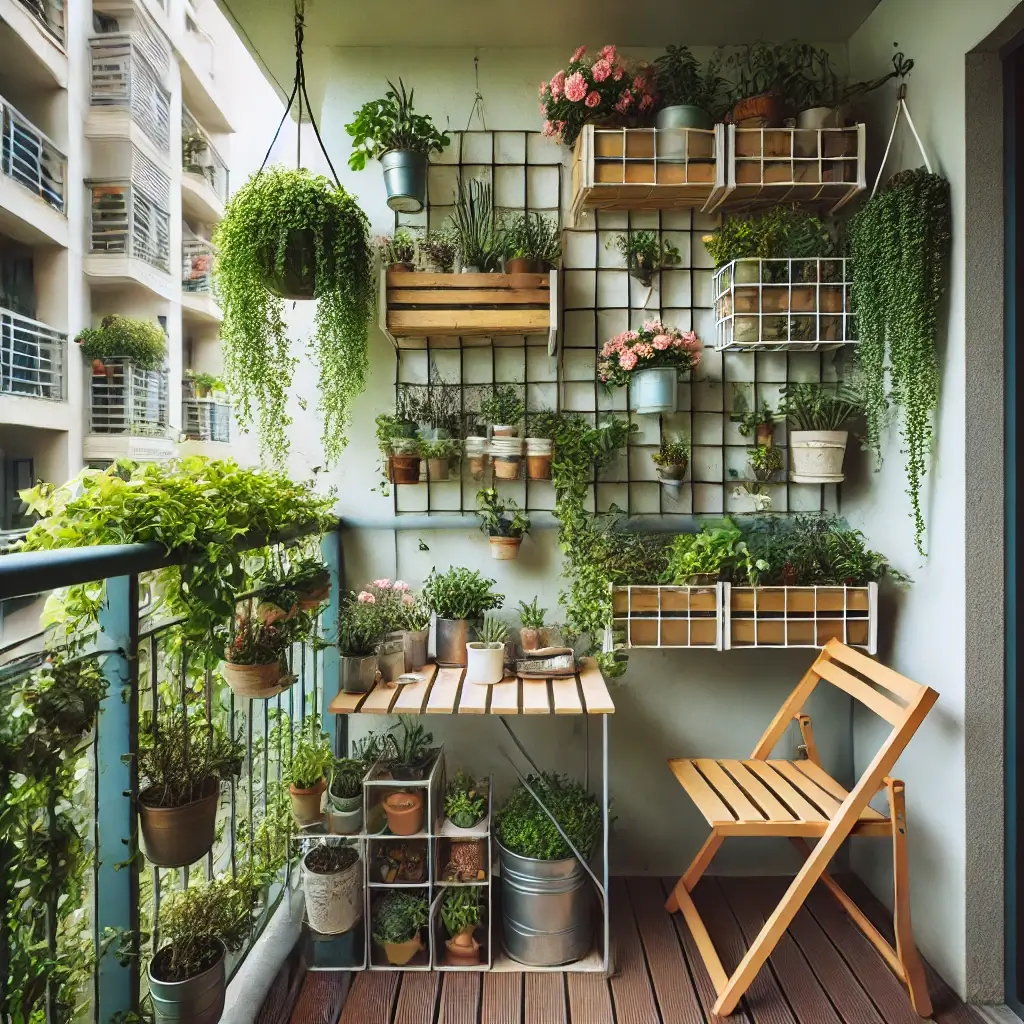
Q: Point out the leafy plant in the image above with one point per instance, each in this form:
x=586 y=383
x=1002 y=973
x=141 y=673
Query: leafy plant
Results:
x=385 y=125
x=312 y=756
x=460 y=593
x=474 y=222
x=813 y=81
x=544 y=423
x=444 y=448
x=525 y=829
x=532 y=236
x=645 y=253
x=441 y=248
x=397 y=248
x=330 y=858
x=503 y=406
x=781 y=232
x=141 y=342
x=181 y=759
x=399 y=915
x=765 y=460
x=679 y=80
x=460 y=909
x=413 y=748
x=531 y=615
x=757 y=68
x=672 y=453
x=256 y=643
x=500 y=518
x=347 y=777
x=465 y=801
x=361 y=625
x=492 y=631
x=812 y=406
x=900 y=242
x=285 y=222
x=754 y=418
x=716 y=550
x=205 y=381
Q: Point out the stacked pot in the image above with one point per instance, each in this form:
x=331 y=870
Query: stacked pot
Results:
x=507 y=453
x=539 y=451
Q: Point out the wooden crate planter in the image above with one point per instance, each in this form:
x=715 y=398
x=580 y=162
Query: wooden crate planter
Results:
x=771 y=165
x=781 y=305
x=415 y=306
x=669 y=616
x=801 y=616
x=645 y=169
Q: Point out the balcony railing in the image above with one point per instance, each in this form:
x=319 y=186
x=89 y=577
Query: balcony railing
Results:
x=49 y=14
x=199 y=157
x=127 y=400
x=31 y=358
x=206 y=419
x=125 y=220
x=31 y=159
x=196 y=265
x=123 y=78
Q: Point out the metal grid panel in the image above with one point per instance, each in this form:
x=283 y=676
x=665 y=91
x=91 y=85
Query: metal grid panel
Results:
x=31 y=159
x=205 y=419
x=31 y=358
x=127 y=400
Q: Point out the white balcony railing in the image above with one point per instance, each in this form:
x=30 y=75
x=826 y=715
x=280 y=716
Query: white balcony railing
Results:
x=32 y=358
x=206 y=419
x=196 y=265
x=49 y=14
x=31 y=159
x=199 y=157
x=127 y=400
x=123 y=78
x=125 y=220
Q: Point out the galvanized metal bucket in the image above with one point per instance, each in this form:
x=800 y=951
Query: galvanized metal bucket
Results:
x=451 y=639
x=654 y=390
x=198 y=1000
x=546 y=910
x=358 y=675
x=405 y=178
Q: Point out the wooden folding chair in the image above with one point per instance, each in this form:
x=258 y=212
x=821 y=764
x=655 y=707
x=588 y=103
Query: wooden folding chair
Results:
x=798 y=799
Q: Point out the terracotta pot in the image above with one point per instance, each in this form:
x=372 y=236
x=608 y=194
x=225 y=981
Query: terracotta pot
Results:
x=306 y=803
x=405 y=813
x=254 y=681
x=505 y=548
x=173 y=837
x=507 y=467
x=98 y=369
x=404 y=266
x=400 y=953
x=525 y=266
x=404 y=469
x=766 y=107
x=504 y=430
x=463 y=949
x=478 y=464
x=538 y=467
x=314 y=598
x=765 y=434
x=529 y=638
x=438 y=469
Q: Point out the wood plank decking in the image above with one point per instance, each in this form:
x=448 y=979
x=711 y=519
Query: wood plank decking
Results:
x=822 y=972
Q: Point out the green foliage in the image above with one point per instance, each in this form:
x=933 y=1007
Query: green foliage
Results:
x=398 y=915
x=716 y=550
x=465 y=800
x=750 y=421
x=544 y=423
x=672 y=453
x=347 y=777
x=813 y=82
x=361 y=627
x=182 y=758
x=492 y=631
x=781 y=232
x=312 y=756
x=410 y=742
x=679 y=80
x=206 y=382
x=504 y=405
x=444 y=448
x=498 y=517
x=531 y=236
x=391 y=432
x=765 y=460
x=524 y=828
x=531 y=615
x=391 y=123
x=900 y=242
x=256 y=643
x=460 y=908
x=812 y=406
x=266 y=228
x=330 y=858
x=474 y=221
x=441 y=248
x=142 y=342
x=645 y=253
x=397 y=248
x=756 y=68
x=460 y=593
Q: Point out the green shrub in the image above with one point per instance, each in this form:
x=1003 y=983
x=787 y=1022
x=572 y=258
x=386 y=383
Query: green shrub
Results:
x=525 y=829
x=142 y=342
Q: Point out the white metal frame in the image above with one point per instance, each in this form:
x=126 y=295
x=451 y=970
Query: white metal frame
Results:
x=31 y=158
x=206 y=419
x=662 y=616
x=124 y=220
x=127 y=400
x=32 y=358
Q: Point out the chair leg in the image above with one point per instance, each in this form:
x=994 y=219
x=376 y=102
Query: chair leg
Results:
x=906 y=948
x=691 y=876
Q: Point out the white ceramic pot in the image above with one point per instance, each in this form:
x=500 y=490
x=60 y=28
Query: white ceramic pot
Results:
x=816 y=456
x=334 y=903
x=485 y=663
x=654 y=390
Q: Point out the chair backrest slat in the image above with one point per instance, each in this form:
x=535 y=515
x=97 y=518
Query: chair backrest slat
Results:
x=882 y=706
x=892 y=681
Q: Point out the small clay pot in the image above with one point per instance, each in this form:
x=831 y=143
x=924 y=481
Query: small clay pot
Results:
x=529 y=638
x=462 y=949
x=306 y=803
x=525 y=266
x=538 y=467
x=404 y=469
x=405 y=813
x=505 y=548
x=765 y=434
x=400 y=953
x=478 y=464
x=506 y=467
x=98 y=368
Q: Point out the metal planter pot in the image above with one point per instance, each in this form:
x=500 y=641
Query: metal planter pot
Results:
x=405 y=179
x=358 y=675
x=672 y=146
x=546 y=910
x=414 y=643
x=391 y=657
x=199 y=1000
x=173 y=837
x=452 y=637
x=654 y=390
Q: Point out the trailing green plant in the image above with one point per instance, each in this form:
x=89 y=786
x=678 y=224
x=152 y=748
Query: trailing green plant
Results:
x=766 y=461
x=500 y=517
x=347 y=777
x=900 y=243
x=460 y=909
x=672 y=453
x=474 y=221
x=812 y=406
x=399 y=915
x=531 y=615
x=400 y=247
x=645 y=253
x=142 y=342
x=679 y=80
x=531 y=236
x=716 y=550
x=492 y=631
x=460 y=594
x=780 y=232
x=525 y=829
x=441 y=248
x=182 y=758
x=754 y=418
x=312 y=756
x=266 y=229
x=504 y=405
x=465 y=800
x=385 y=125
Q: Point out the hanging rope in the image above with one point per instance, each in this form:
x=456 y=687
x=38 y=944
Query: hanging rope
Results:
x=902 y=67
x=478 y=99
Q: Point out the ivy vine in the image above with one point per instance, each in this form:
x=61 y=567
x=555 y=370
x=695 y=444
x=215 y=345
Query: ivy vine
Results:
x=900 y=243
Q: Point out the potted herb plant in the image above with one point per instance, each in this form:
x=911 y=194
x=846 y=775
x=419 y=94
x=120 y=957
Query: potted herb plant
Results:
x=503 y=408
x=390 y=130
x=292 y=234
x=532 y=618
x=398 y=919
x=645 y=254
x=546 y=904
x=345 y=795
x=475 y=224
x=441 y=249
x=702 y=558
x=649 y=361
x=458 y=597
x=204 y=384
x=397 y=251
x=465 y=801
x=142 y=343
x=254 y=665
x=307 y=771
x=816 y=414
x=485 y=656
x=504 y=523
x=361 y=627
x=412 y=755
x=688 y=95
x=460 y=914
x=439 y=455
x=759 y=423
x=199 y=926
x=766 y=461
x=182 y=761
x=332 y=882
x=758 y=74
x=671 y=460
x=400 y=448
x=532 y=244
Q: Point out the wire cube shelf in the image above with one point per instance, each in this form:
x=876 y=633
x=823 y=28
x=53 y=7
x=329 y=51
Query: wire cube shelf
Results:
x=669 y=616
x=31 y=159
x=126 y=400
x=32 y=358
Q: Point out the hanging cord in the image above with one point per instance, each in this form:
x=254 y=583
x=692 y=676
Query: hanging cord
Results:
x=478 y=99
x=902 y=66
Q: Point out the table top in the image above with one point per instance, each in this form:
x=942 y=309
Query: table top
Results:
x=443 y=692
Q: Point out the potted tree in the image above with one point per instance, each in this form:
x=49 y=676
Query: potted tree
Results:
x=397 y=251
x=671 y=460
x=531 y=635
x=398 y=919
x=458 y=597
x=389 y=130
x=292 y=234
x=361 y=627
x=140 y=342
x=816 y=414
x=546 y=907
x=345 y=795
x=759 y=423
x=307 y=771
x=645 y=254
x=199 y=926
x=485 y=656
x=182 y=763
x=532 y=244
x=460 y=914
x=504 y=523
x=688 y=95
x=332 y=883
x=254 y=664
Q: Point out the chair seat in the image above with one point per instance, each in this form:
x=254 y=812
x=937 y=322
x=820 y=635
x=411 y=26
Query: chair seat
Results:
x=768 y=798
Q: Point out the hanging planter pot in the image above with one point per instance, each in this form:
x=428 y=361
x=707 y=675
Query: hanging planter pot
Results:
x=654 y=390
x=505 y=549
x=297 y=277
x=198 y=1000
x=254 y=682
x=173 y=837
x=405 y=179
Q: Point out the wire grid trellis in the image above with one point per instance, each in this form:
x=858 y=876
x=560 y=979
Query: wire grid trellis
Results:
x=600 y=299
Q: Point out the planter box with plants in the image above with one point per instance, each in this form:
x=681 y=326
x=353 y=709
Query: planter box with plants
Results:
x=668 y=616
x=458 y=598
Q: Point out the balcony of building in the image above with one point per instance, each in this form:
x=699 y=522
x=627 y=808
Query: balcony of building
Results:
x=204 y=177
x=205 y=426
x=32 y=40
x=33 y=372
x=203 y=82
x=198 y=304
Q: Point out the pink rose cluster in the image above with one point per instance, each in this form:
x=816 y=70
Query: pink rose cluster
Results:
x=595 y=87
x=655 y=345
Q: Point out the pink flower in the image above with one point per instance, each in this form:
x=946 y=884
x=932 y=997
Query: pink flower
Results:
x=625 y=102
x=629 y=335
x=557 y=85
x=646 y=102
x=652 y=326
x=365 y=597
x=608 y=53
x=662 y=342
x=401 y=586
x=578 y=54
x=593 y=99
x=639 y=83
x=575 y=87
x=601 y=70
x=617 y=74
x=627 y=360
x=643 y=350
x=408 y=600
x=384 y=584
x=543 y=89
x=611 y=347
x=548 y=130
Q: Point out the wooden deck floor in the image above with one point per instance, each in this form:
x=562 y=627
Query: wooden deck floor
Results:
x=823 y=972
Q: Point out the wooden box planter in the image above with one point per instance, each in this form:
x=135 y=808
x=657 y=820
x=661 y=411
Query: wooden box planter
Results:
x=801 y=616
x=415 y=306
x=645 y=169
x=669 y=616
x=781 y=305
